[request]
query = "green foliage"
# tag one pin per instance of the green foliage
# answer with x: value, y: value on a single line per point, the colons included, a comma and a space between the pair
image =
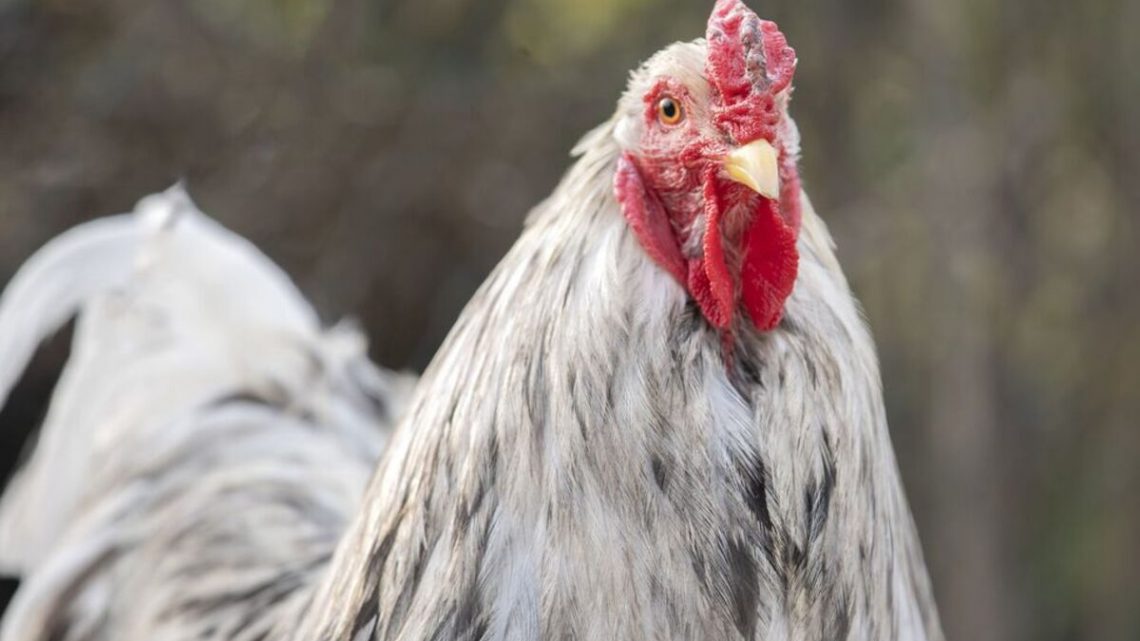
x: 553, y: 30
x: 287, y: 25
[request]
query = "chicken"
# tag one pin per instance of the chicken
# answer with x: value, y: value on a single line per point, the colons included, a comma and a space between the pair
x: 659, y: 418
x: 206, y: 443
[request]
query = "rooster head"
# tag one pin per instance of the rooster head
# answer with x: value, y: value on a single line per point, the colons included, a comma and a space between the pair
x: 707, y: 174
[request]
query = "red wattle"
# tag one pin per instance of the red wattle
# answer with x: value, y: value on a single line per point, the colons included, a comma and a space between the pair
x: 769, y: 266
x: 648, y: 219
x: 715, y: 265
x: 701, y: 290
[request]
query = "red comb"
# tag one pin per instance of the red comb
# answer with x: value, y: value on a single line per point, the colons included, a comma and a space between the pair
x: 749, y: 63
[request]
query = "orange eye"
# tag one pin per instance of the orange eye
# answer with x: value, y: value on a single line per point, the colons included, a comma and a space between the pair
x: 669, y: 111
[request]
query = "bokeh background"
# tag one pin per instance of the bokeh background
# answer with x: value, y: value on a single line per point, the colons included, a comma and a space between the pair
x: 978, y: 162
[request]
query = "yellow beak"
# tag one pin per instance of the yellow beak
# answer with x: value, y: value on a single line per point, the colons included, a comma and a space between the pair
x: 755, y: 165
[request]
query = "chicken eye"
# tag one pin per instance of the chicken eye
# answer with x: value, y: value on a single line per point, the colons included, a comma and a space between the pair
x: 669, y: 111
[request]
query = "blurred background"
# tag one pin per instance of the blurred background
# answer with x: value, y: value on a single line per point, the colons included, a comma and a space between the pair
x: 977, y: 161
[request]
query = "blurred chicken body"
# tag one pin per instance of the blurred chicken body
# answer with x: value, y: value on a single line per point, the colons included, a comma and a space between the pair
x: 659, y: 418
x: 206, y: 442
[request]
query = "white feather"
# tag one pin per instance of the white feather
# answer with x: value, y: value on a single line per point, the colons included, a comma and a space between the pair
x: 174, y: 305
x: 176, y: 314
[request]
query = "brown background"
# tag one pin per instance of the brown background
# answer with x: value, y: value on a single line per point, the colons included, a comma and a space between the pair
x: 979, y: 164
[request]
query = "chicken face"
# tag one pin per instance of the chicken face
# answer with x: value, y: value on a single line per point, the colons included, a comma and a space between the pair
x: 707, y: 177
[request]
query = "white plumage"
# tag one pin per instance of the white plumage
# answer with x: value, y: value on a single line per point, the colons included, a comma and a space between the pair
x: 201, y: 388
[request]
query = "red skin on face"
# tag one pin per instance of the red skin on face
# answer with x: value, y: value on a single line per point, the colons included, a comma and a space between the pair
x: 676, y: 176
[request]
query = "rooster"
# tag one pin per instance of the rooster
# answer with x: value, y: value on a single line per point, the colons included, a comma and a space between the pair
x: 659, y: 418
